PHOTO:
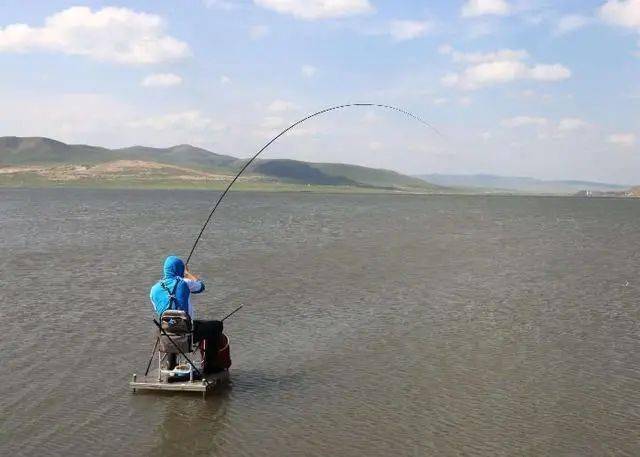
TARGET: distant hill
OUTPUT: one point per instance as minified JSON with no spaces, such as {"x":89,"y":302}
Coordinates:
{"x":520,"y":184}
{"x":45,"y":151}
{"x":37,"y":150}
{"x":370,"y":176}
{"x":39,"y":161}
{"x":183,"y":155}
{"x":295,"y":171}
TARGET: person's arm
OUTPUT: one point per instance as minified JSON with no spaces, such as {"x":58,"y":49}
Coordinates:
{"x":194,"y":283}
{"x":153,"y":304}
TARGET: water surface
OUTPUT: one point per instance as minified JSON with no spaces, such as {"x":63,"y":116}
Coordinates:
{"x":375,"y":324}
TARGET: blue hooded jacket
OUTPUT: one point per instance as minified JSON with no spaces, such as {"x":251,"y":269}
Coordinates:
{"x":173,"y":272}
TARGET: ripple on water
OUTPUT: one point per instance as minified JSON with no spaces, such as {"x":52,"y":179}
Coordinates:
{"x":374,"y":325}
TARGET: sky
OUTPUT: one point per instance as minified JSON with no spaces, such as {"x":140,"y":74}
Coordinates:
{"x":540,"y":88}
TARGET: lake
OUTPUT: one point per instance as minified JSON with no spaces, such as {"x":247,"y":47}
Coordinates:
{"x":374,"y":325}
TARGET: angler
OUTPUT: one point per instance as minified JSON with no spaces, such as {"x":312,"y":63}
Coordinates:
{"x":180,"y":334}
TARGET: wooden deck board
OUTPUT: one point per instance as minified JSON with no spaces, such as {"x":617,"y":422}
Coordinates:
{"x":151,"y":382}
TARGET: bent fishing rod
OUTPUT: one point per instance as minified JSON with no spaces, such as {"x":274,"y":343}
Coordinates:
{"x":275,"y":138}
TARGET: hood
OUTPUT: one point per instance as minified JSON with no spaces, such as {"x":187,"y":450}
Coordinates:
{"x":173,"y":266}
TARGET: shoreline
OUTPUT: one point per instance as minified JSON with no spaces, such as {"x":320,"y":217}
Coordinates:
{"x":298,"y":189}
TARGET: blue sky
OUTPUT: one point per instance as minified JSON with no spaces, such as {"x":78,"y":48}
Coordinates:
{"x":518,"y":87}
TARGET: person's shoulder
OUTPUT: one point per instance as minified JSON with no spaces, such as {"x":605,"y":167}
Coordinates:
{"x":182,"y":284}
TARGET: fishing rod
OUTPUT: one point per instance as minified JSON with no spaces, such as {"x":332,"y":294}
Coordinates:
{"x":231,"y":313}
{"x":275,"y":138}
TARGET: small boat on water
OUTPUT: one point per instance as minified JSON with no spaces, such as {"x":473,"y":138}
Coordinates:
{"x":191,"y":356}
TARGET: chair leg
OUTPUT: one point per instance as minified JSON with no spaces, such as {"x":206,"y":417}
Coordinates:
{"x":153,"y":353}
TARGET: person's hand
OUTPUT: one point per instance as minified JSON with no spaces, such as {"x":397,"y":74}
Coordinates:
{"x":188,"y":274}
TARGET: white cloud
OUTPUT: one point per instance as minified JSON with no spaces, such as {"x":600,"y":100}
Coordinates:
{"x":499,"y":67}
{"x":571,"y":123}
{"x":161,"y":80}
{"x":622,"y":139}
{"x":571,"y":22}
{"x":524,"y":121}
{"x":224,"y":80}
{"x":280,"y":106}
{"x":505,"y":71}
{"x":192,"y":120}
{"x":548,"y":73}
{"x":257,"y":32}
{"x":227,"y":5}
{"x":403,"y":30}
{"x":625,"y":13}
{"x":309,"y":71}
{"x":110,"y":34}
{"x":440,"y":101}
{"x":479,"y":57}
{"x":317,"y":9}
{"x":474,"y":8}
{"x":486,"y":136}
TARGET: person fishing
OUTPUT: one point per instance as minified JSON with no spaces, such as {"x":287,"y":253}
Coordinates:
{"x":174,"y":290}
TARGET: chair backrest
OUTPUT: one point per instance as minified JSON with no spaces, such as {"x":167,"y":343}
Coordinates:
{"x":175,"y":322}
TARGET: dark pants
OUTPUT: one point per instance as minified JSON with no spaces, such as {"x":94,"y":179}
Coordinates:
{"x":211,"y":332}
{"x":171,"y":361}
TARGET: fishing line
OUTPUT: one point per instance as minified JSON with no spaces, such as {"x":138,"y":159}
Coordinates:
{"x":306,"y":118}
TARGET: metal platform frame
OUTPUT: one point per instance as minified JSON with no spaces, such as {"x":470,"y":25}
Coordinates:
{"x":152,"y":382}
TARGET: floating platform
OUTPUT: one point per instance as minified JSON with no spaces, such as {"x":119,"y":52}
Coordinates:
{"x":152,"y":382}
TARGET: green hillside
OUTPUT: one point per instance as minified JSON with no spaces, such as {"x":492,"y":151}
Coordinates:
{"x":38,"y":150}
{"x":299,"y":172}
{"x":181,"y":155}
{"x":43,"y":160}
{"x":371,"y":176}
